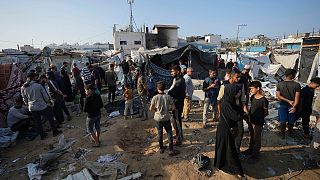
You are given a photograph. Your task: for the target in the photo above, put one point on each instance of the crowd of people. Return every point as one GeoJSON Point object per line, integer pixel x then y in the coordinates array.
{"type": "Point", "coordinates": [233, 99]}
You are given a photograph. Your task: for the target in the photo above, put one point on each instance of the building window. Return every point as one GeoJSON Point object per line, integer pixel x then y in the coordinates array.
{"type": "Point", "coordinates": [123, 42]}
{"type": "Point", "coordinates": [137, 42]}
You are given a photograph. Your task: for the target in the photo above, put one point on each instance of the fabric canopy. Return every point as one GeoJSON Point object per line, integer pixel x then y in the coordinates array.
{"type": "Point", "coordinates": [288, 61]}
{"type": "Point", "coordinates": [200, 61]}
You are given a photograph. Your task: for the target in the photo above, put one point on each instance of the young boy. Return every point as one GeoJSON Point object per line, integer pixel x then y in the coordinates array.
{"type": "Point", "coordinates": [161, 104]}
{"type": "Point", "coordinates": [128, 97]}
{"type": "Point", "coordinates": [92, 106]}
{"type": "Point", "coordinates": [306, 98]}
{"type": "Point", "coordinates": [258, 111]}
{"type": "Point", "coordinates": [288, 93]}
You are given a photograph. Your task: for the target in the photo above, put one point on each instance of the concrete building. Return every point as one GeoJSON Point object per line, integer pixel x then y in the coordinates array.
{"type": "Point", "coordinates": [259, 40]}
{"type": "Point", "coordinates": [209, 40]}
{"type": "Point", "coordinates": [129, 40]}
{"type": "Point", "coordinates": [167, 35]}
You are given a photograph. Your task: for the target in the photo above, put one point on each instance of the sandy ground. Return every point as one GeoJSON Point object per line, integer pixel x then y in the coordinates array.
{"type": "Point", "coordinates": [137, 141]}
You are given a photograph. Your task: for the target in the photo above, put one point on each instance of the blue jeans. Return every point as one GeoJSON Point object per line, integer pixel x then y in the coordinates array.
{"type": "Point", "coordinates": [284, 115]}
{"type": "Point", "coordinates": [95, 121]}
{"type": "Point", "coordinates": [167, 126]}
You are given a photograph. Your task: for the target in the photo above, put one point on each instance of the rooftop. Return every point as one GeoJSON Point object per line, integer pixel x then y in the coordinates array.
{"type": "Point", "coordinates": [165, 26]}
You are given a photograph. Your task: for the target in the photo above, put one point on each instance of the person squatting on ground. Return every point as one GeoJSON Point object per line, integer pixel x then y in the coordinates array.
{"type": "Point", "coordinates": [111, 82]}
{"type": "Point", "coordinates": [189, 93]}
{"type": "Point", "coordinates": [18, 118]}
{"type": "Point", "coordinates": [211, 86]}
{"type": "Point", "coordinates": [178, 92]}
{"type": "Point", "coordinates": [37, 99]}
{"type": "Point", "coordinates": [143, 93]}
{"type": "Point", "coordinates": [288, 93]}
{"type": "Point", "coordinates": [226, 155]}
{"type": "Point", "coordinates": [162, 104]}
{"type": "Point", "coordinates": [128, 104]}
{"type": "Point", "coordinates": [92, 105]}
{"type": "Point", "coordinates": [258, 111]}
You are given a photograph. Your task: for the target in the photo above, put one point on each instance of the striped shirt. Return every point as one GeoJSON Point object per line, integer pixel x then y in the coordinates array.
{"type": "Point", "coordinates": [85, 74]}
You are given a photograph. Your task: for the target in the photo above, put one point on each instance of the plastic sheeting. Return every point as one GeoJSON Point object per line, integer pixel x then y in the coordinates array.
{"type": "Point", "coordinates": [7, 137]}
{"type": "Point", "coordinates": [288, 61]}
{"type": "Point", "coordinates": [270, 69]}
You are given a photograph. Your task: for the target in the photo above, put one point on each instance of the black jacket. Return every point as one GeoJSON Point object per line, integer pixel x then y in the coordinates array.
{"type": "Point", "coordinates": [179, 89]}
{"type": "Point", "coordinates": [92, 105]}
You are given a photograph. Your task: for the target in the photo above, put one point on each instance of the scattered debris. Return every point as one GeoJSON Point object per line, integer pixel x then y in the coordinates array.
{"type": "Point", "coordinates": [48, 158]}
{"type": "Point", "coordinates": [210, 141]}
{"type": "Point", "coordinates": [82, 175]}
{"type": "Point", "coordinates": [132, 176]}
{"type": "Point", "coordinates": [110, 169]}
{"type": "Point", "coordinates": [81, 153]}
{"type": "Point", "coordinates": [71, 167]}
{"type": "Point", "coordinates": [14, 161]}
{"type": "Point", "coordinates": [34, 171]}
{"type": "Point", "coordinates": [109, 157]}
{"type": "Point", "coordinates": [271, 171]}
{"type": "Point", "coordinates": [63, 144]}
{"type": "Point", "coordinates": [7, 137]}
{"type": "Point", "coordinates": [114, 114]}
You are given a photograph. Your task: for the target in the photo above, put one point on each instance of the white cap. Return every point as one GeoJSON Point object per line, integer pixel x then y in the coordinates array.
{"type": "Point", "coordinates": [247, 66]}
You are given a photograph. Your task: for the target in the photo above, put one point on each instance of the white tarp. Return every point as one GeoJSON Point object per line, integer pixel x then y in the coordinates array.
{"type": "Point", "coordinates": [288, 61]}
{"type": "Point", "coordinates": [314, 68]}
{"type": "Point", "coordinates": [141, 54]}
{"type": "Point", "coordinates": [229, 56]}
{"type": "Point", "coordinates": [270, 69]}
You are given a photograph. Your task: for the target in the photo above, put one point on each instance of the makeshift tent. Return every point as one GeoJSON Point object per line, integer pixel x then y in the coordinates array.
{"type": "Point", "coordinates": [200, 61]}
{"type": "Point", "coordinates": [287, 60]}
{"type": "Point", "coordinates": [310, 59]}
{"type": "Point", "coordinates": [14, 75]}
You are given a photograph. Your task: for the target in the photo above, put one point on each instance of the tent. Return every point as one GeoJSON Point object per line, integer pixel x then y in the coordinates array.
{"type": "Point", "coordinates": [309, 59]}
{"type": "Point", "coordinates": [200, 61]}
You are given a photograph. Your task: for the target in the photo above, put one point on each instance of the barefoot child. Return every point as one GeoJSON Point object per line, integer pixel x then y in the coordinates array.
{"type": "Point", "coordinates": [161, 104]}
{"type": "Point", "coordinates": [128, 97]}
{"type": "Point", "coordinates": [92, 106]}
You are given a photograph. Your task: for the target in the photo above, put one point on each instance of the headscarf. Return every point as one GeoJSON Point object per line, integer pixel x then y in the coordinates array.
{"type": "Point", "coordinates": [229, 109]}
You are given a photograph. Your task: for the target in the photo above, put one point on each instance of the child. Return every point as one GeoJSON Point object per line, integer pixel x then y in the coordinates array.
{"type": "Point", "coordinates": [76, 102]}
{"type": "Point", "coordinates": [151, 85]}
{"type": "Point", "coordinates": [128, 97]}
{"type": "Point", "coordinates": [258, 111]}
{"type": "Point", "coordinates": [306, 98]}
{"type": "Point", "coordinates": [161, 104]}
{"type": "Point", "coordinates": [92, 106]}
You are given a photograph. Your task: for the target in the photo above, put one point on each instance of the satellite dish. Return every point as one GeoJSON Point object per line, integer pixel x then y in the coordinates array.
{"type": "Point", "coordinates": [46, 51]}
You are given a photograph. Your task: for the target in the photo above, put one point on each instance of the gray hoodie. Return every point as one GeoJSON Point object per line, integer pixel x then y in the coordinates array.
{"type": "Point", "coordinates": [35, 96]}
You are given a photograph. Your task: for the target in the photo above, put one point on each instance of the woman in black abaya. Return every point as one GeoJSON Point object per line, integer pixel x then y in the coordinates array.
{"type": "Point", "coordinates": [226, 156]}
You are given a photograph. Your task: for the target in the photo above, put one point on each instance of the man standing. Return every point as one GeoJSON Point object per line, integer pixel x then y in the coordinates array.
{"type": "Point", "coordinates": [178, 92]}
{"type": "Point", "coordinates": [111, 82]}
{"type": "Point", "coordinates": [229, 64]}
{"type": "Point", "coordinates": [95, 78]}
{"type": "Point", "coordinates": [211, 86]}
{"type": "Point", "coordinates": [36, 97]}
{"type": "Point", "coordinates": [85, 74]}
{"type": "Point", "coordinates": [189, 93]}
{"type": "Point", "coordinates": [142, 92]}
{"type": "Point", "coordinates": [125, 71]}
{"type": "Point", "coordinates": [288, 93]}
